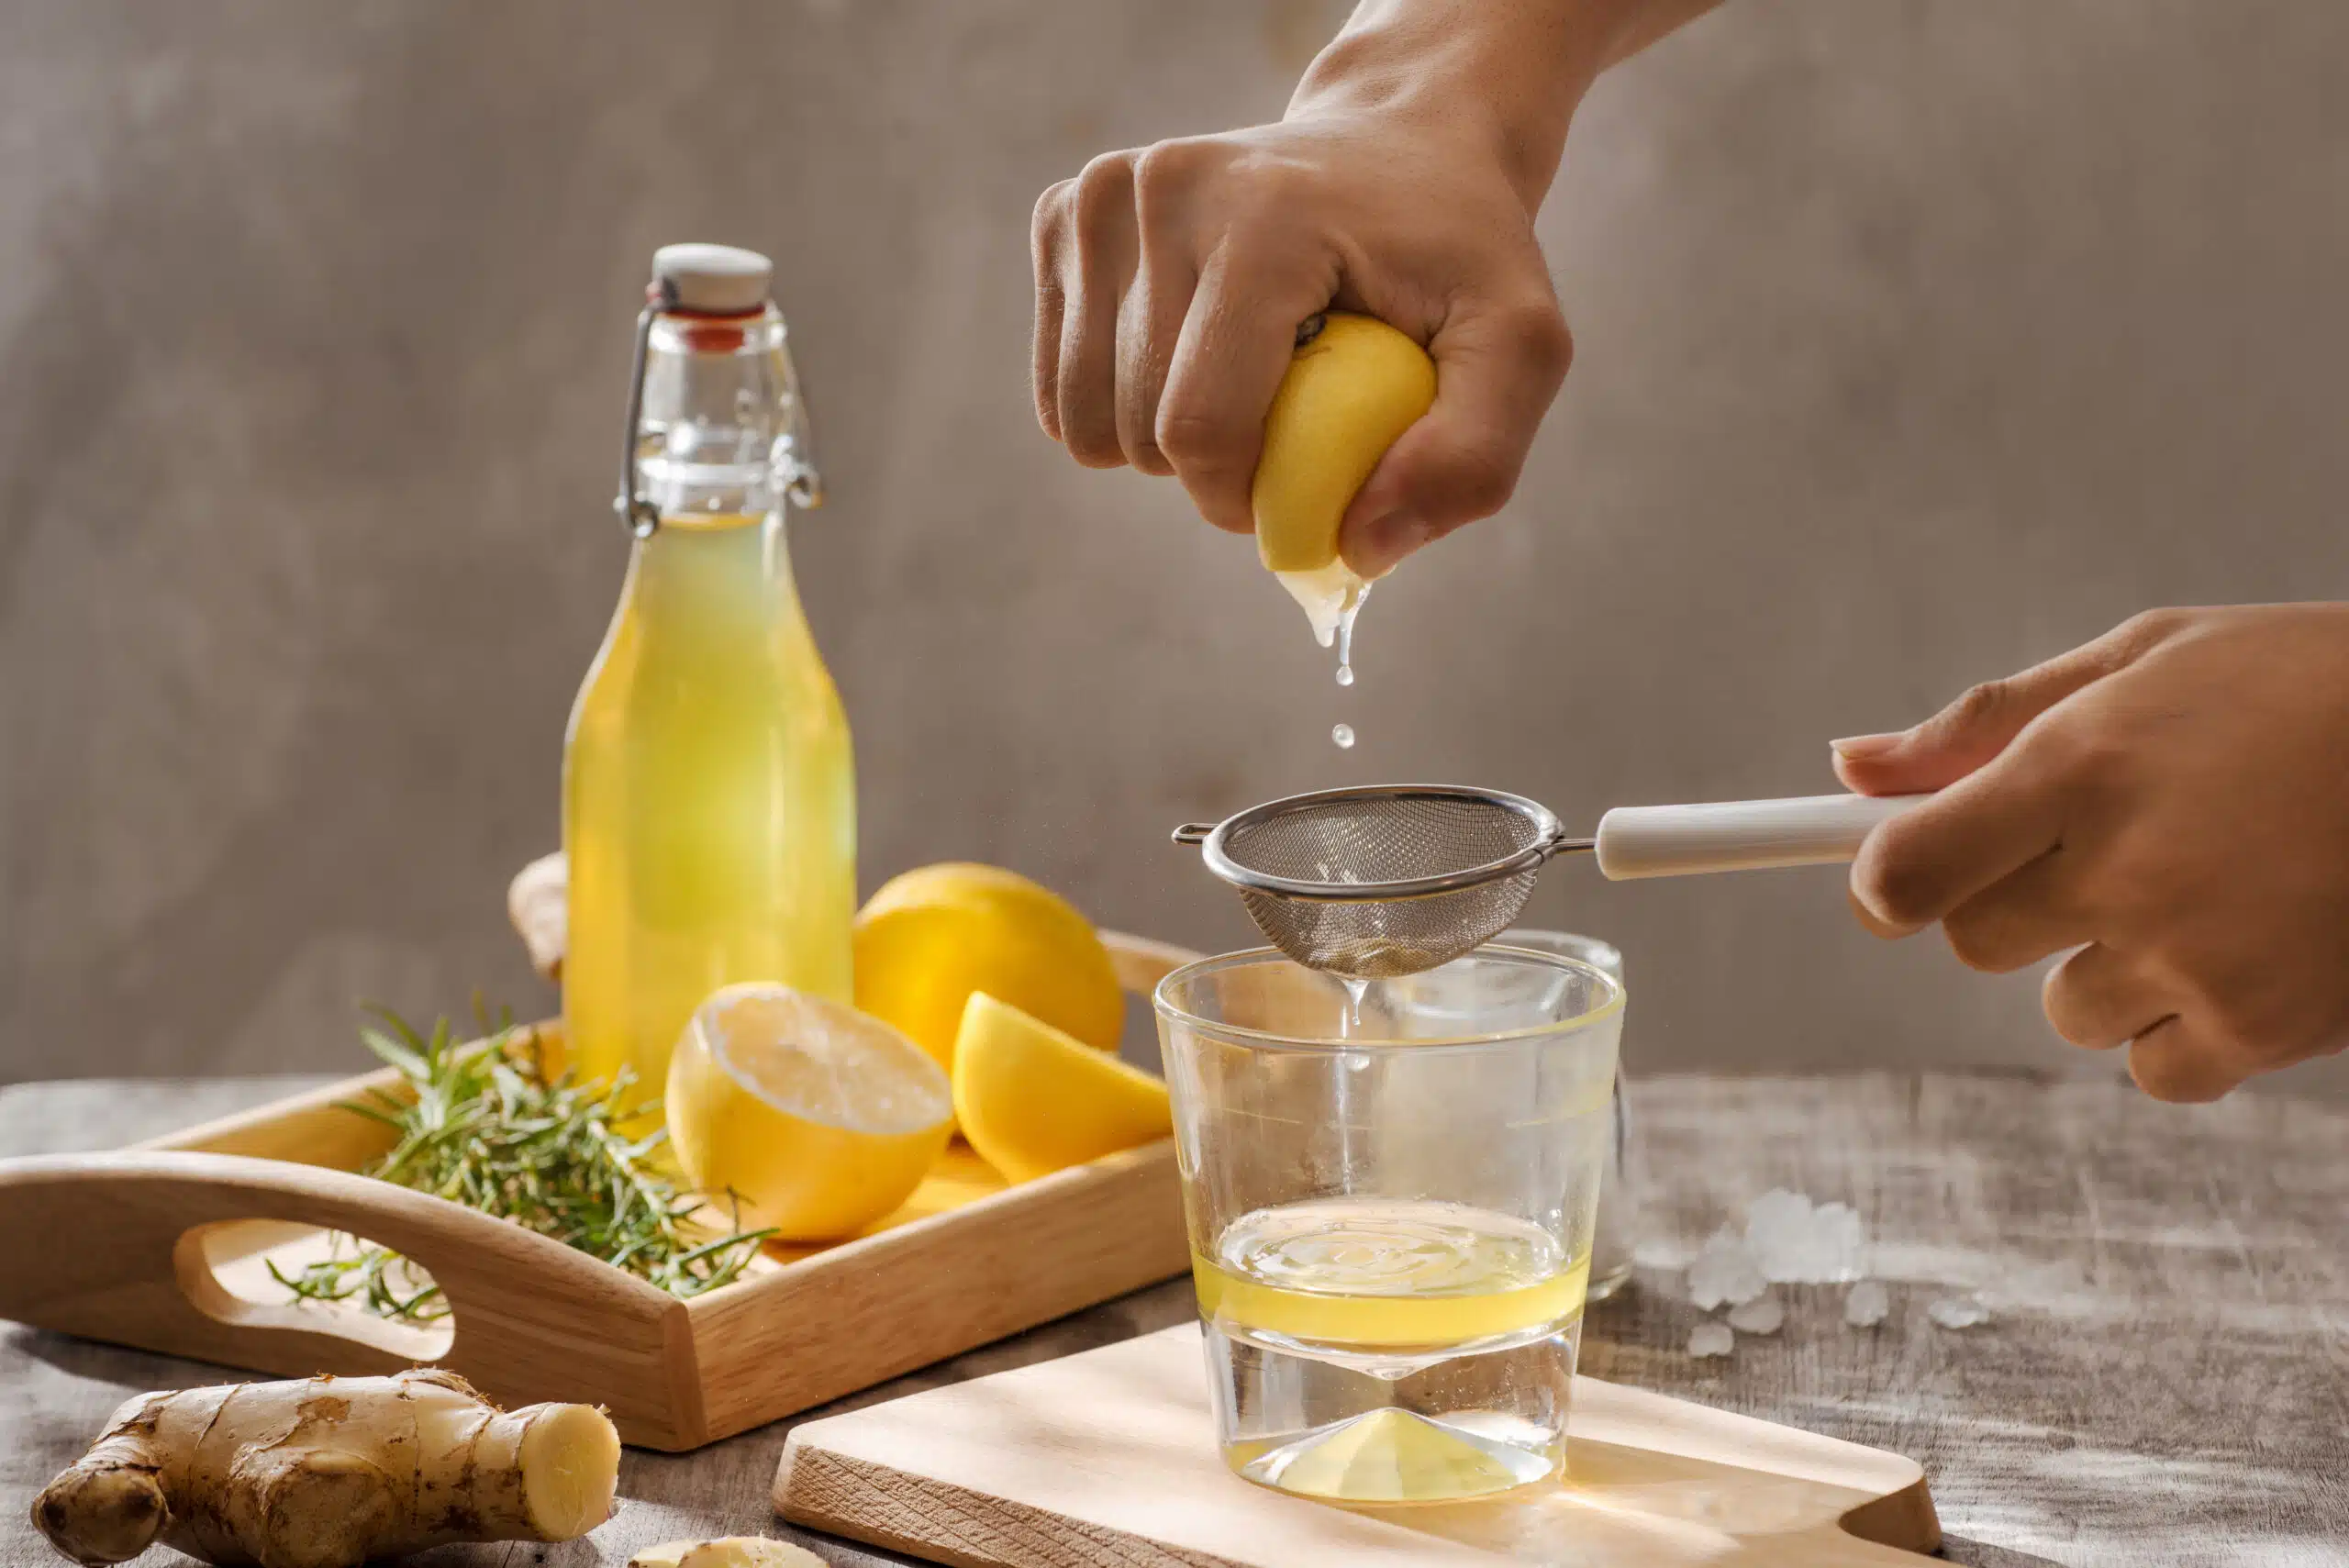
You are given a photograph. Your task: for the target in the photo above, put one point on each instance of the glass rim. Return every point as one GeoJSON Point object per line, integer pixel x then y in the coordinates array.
{"type": "Point", "coordinates": [1162, 1003]}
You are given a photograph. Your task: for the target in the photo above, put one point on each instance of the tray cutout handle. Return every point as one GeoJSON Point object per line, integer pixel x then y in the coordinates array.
{"type": "Point", "coordinates": [223, 1269]}
{"type": "Point", "coordinates": [534, 1320]}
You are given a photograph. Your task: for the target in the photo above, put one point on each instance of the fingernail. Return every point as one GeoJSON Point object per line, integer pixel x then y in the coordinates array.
{"type": "Point", "coordinates": [1863, 747]}
{"type": "Point", "coordinates": [1384, 540]}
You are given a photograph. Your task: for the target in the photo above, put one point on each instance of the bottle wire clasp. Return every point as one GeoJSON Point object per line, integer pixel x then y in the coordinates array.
{"type": "Point", "coordinates": [802, 482]}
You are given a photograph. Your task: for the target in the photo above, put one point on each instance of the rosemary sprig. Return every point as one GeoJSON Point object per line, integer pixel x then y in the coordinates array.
{"type": "Point", "coordinates": [489, 1129]}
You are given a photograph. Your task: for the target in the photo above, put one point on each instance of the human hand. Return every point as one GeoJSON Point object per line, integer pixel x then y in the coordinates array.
{"type": "Point", "coordinates": [1170, 280]}
{"type": "Point", "coordinates": [2171, 799]}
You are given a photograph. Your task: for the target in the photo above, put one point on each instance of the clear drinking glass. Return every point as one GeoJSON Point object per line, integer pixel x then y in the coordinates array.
{"type": "Point", "coordinates": [1443, 1001]}
{"type": "Point", "coordinates": [1611, 1251]}
{"type": "Point", "coordinates": [1391, 1219]}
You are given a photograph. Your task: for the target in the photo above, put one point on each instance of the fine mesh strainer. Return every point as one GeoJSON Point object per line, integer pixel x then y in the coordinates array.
{"type": "Point", "coordinates": [1378, 881]}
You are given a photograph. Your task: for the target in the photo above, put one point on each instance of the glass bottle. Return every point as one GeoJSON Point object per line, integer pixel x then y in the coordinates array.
{"type": "Point", "coordinates": [709, 811]}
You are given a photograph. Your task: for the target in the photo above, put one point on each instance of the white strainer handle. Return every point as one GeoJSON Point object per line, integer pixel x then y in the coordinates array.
{"type": "Point", "coordinates": [1740, 835]}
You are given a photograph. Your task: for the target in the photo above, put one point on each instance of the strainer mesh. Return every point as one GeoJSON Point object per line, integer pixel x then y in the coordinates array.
{"type": "Point", "coordinates": [1348, 843]}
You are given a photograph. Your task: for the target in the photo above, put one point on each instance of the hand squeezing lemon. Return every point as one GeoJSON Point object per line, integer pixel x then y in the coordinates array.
{"type": "Point", "coordinates": [1354, 385]}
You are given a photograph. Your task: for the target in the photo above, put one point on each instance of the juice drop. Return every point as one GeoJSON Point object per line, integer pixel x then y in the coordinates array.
{"type": "Point", "coordinates": [1344, 735]}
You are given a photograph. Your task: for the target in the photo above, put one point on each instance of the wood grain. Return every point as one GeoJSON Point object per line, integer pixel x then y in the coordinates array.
{"type": "Point", "coordinates": [2181, 1401]}
{"type": "Point", "coordinates": [856, 1315]}
{"type": "Point", "coordinates": [1108, 1460]}
{"type": "Point", "coordinates": [135, 1247]}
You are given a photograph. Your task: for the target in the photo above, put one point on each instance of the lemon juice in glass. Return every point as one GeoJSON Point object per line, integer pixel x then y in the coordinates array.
{"type": "Point", "coordinates": [1391, 1226]}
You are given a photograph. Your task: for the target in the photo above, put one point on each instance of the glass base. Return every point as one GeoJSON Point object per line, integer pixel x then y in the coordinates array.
{"type": "Point", "coordinates": [1402, 1426]}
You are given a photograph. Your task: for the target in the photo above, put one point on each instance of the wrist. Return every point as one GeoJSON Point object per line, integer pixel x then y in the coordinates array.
{"type": "Point", "coordinates": [1505, 75]}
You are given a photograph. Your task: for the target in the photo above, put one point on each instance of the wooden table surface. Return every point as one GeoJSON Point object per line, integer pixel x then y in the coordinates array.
{"type": "Point", "coordinates": [2165, 1379]}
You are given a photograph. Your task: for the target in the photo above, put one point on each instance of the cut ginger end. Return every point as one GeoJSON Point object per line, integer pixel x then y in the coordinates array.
{"type": "Point", "coordinates": [570, 1460]}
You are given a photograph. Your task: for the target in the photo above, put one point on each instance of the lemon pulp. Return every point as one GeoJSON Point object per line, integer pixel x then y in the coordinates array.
{"type": "Point", "coordinates": [819, 1118]}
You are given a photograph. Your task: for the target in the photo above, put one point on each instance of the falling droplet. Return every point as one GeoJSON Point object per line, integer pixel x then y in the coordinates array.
{"type": "Point", "coordinates": [1344, 735]}
{"type": "Point", "coordinates": [1345, 675]}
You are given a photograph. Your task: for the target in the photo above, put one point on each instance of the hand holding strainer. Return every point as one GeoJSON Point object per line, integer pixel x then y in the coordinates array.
{"type": "Point", "coordinates": [1383, 880]}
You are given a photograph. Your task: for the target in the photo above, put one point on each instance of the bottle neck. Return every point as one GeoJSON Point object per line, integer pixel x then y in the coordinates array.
{"type": "Point", "coordinates": [718, 576]}
{"type": "Point", "coordinates": [716, 436]}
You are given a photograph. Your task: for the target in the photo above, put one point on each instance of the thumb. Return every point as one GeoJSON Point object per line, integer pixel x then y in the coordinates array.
{"type": "Point", "coordinates": [1981, 722]}
{"type": "Point", "coordinates": [1496, 369]}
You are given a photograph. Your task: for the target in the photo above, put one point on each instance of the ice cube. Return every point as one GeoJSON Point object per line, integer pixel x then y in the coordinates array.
{"type": "Point", "coordinates": [1724, 1272]}
{"type": "Point", "coordinates": [1836, 1236]}
{"type": "Point", "coordinates": [1866, 1304]}
{"type": "Point", "coordinates": [1958, 1312]}
{"type": "Point", "coordinates": [1711, 1339]}
{"type": "Point", "coordinates": [1796, 1242]}
{"type": "Point", "coordinates": [1762, 1314]}
{"type": "Point", "coordinates": [1660, 1253]}
{"type": "Point", "coordinates": [1778, 1231]}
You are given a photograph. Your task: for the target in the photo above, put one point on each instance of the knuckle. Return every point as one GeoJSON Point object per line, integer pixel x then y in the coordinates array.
{"type": "Point", "coordinates": [1543, 344]}
{"type": "Point", "coordinates": [1103, 189]}
{"type": "Point", "coordinates": [1476, 479]}
{"type": "Point", "coordinates": [1978, 705]}
{"type": "Point", "coordinates": [1052, 215]}
{"type": "Point", "coordinates": [1896, 885]}
{"type": "Point", "coordinates": [1977, 945]}
{"type": "Point", "coordinates": [2170, 1066]}
{"type": "Point", "coordinates": [2060, 999]}
{"type": "Point", "coordinates": [1191, 433]}
{"type": "Point", "coordinates": [1165, 171]}
{"type": "Point", "coordinates": [2147, 628]}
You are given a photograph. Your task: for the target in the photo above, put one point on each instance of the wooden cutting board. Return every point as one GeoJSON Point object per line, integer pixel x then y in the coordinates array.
{"type": "Point", "coordinates": [1107, 1459]}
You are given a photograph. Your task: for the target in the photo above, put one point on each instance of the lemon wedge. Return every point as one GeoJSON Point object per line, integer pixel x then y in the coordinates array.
{"type": "Point", "coordinates": [1351, 387]}
{"type": "Point", "coordinates": [1032, 1101]}
{"type": "Point", "coordinates": [930, 938]}
{"type": "Point", "coordinates": [820, 1118]}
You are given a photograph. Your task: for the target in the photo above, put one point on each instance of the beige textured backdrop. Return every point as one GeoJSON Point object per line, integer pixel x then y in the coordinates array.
{"type": "Point", "coordinates": [1920, 339]}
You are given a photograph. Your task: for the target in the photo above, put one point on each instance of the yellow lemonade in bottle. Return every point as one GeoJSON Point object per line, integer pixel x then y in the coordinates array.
{"type": "Point", "coordinates": [709, 813]}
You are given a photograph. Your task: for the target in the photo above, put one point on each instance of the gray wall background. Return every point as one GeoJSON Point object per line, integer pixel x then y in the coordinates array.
{"type": "Point", "coordinates": [1918, 339]}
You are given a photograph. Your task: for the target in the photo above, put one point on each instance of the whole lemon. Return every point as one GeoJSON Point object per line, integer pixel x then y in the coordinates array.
{"type": "Point", "coordinates": [929, 938]}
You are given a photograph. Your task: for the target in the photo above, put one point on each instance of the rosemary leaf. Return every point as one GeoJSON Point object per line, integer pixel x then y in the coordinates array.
{"type": "Point", "coordinates": [490, 1130]}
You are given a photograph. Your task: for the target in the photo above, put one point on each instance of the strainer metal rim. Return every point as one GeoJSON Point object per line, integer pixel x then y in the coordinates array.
{"type": "Point", "coordinates": [1549, 838]}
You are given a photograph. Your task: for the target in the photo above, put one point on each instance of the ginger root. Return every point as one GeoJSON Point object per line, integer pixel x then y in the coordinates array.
{"type": "Point", "coordinates": [538, 903]}
{"type": "Point", "coordinates": [733, 1551]}
{"type": "Point", "coordinates": [330, 1472]}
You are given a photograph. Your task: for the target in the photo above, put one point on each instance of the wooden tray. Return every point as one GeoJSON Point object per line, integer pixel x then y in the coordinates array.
{"type": "Point", "coordinates": [1108, 1460]}
{"type": "Point", "coordinates": [165, 1247]}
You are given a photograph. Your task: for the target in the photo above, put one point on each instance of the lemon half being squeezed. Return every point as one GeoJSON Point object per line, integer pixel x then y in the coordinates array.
{"type": "Point", "coordinates": [820, 1118]}
{"type": "Point", "coordinates": [1354, 384]}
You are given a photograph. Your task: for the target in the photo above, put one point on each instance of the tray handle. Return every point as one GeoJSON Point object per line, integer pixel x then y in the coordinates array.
{"type": "Point", "coordinates": [110, 1246]}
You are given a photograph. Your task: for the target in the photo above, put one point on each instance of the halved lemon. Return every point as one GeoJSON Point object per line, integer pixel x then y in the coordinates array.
{"type": "Point", "coordinates": [820, 1118]}
{"type": "Point", "coordinates": [1032, 1100]}
{"type": "Point", "coordinates": [1354, 385]}
{"type": "Point", "coordinates": [931, 937]}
